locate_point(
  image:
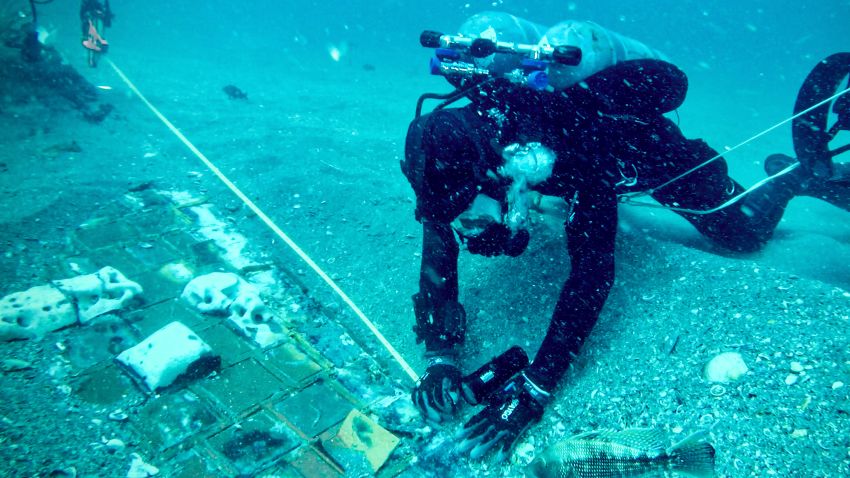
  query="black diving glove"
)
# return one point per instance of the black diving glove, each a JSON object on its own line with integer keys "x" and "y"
{"x": 517, "y": 406}
{"x": 437, "y": 393}
{"x": 497, "y": 239}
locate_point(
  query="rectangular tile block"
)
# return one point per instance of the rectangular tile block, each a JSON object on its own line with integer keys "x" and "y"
{"x": 314, "y": 409}
{"x": 360, "y": 445}
{"x": 157, "y": 288}
{"x": 171, "y": 419}
{"x": 107, "y": 385}
{"x": 103, "y": 232}
{"x": 115, "y": 256}
{"x": 225, "y": 342}
{"x": 255, "y": 443}
{"x": 153, "y": 318}
{"x": 99, "y": 341}
{"x": 156, "y": 220}
{"x": 181, "y": 240}
{"x": 292, "y": 362}
{"x": 193, "y": 464}
{"x": 153, "y": 254}
{"x": 244, "y": 385}
{"x": 311, "y": 463}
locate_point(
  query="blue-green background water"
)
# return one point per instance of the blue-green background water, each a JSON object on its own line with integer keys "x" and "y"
{"x": 769, "y": 38}
{"x": 744, "y": 58}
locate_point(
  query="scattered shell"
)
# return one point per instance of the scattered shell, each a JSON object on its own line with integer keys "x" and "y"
{"x": 140, "y": 469}
{"x": 118, "y": 415}
{"x": 791, "y": 379}
{"x": 836, "y": 385}
{"x": 800, "y": 433}
{"x": 717, "y": 390}
{"x": 14, "y": 365}
{"x": 177, "y": 272}
{"x": 115, "y": 444}
{"x": 796, "y": 367}
{"x": 725, "y": 367}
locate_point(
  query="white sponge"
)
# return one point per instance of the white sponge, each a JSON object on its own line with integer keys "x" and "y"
{"x": 168, "y": 353}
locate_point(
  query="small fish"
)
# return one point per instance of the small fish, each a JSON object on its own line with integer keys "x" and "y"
{"x": 234, "y": 93}
{"x": 628, "y": 453}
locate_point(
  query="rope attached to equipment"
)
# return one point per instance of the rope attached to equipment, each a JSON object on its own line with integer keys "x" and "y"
{"x": 271, "y": 225}
{"x": 629, "y": 198}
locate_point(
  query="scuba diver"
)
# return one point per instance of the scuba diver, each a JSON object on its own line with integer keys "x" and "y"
{"x": 590, "y": 131}
{"x": 31, "y": 47}
{"x": 95, "y": 17}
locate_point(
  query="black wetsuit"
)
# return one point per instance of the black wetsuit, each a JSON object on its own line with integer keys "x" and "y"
{"x": 91, "y": 10}
{"x": 601, "y": 133}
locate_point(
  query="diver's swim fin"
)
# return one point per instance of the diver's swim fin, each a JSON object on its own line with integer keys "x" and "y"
{"x": 835, "y": 190}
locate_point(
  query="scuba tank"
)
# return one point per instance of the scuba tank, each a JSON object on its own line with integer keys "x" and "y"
{"x": 501, "y": 27}
{"x": 491, "y": 45}
{"x": 600, "y": 49}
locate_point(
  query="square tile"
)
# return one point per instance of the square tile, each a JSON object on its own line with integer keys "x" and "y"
{"x": 226, "y": 343}
{"x": 197, "y": 462}
{"x": 156, "y": 287}
{"x": 314, "y": 409}
{"x": 291, "y": 361}
{"x": 99, "y": 341}
{"x": 156, "y": 220}
{"x": 153, "y": 254}
{"x": 150, "y": 319}
{"x": 360, "y": 445}
{"x": 243, "y": 385}
{"x": 101, "y": 232}
{"x": 255, "y": 443}
{"x": 205, "y": 255}
{"x": 331, "y": 340}
{"x": 181, "y": 240}
{"x": 115, "y": 256}
{"x": 107, "y": 385}
{"x": 171, "y": 419}
{"x": 311, "y": 463}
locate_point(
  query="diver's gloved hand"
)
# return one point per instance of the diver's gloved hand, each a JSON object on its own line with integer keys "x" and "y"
{"x": 497, "y": 239}
{"x": 437, "y": 393}
{"x": 517, "y": 406}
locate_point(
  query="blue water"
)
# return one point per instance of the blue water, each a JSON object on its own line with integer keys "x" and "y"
{"x": 769, "y": 37}
{"x": 747, "y": 52}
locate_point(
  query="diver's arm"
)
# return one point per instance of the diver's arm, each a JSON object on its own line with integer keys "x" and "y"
{"x": 591, "y": 235}
{"x": 440, "y": 319}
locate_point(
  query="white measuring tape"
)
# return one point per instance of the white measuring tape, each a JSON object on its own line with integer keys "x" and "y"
{"x": 271, "y": 225}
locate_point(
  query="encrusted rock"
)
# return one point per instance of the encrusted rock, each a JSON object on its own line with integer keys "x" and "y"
{"x": 96, "y": 294}
{"x": 228, "y": 294}
{"x": 141, "y": 469}
{"x": 35, "y": 312}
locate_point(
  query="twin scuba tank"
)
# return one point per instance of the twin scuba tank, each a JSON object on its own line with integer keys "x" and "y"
{"x": 497, "y": 44}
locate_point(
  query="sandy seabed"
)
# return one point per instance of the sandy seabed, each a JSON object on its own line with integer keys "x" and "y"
{"x": 321, "y": 158}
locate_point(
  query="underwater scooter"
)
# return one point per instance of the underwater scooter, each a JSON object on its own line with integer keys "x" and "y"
{"x": 811, "y": 131}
